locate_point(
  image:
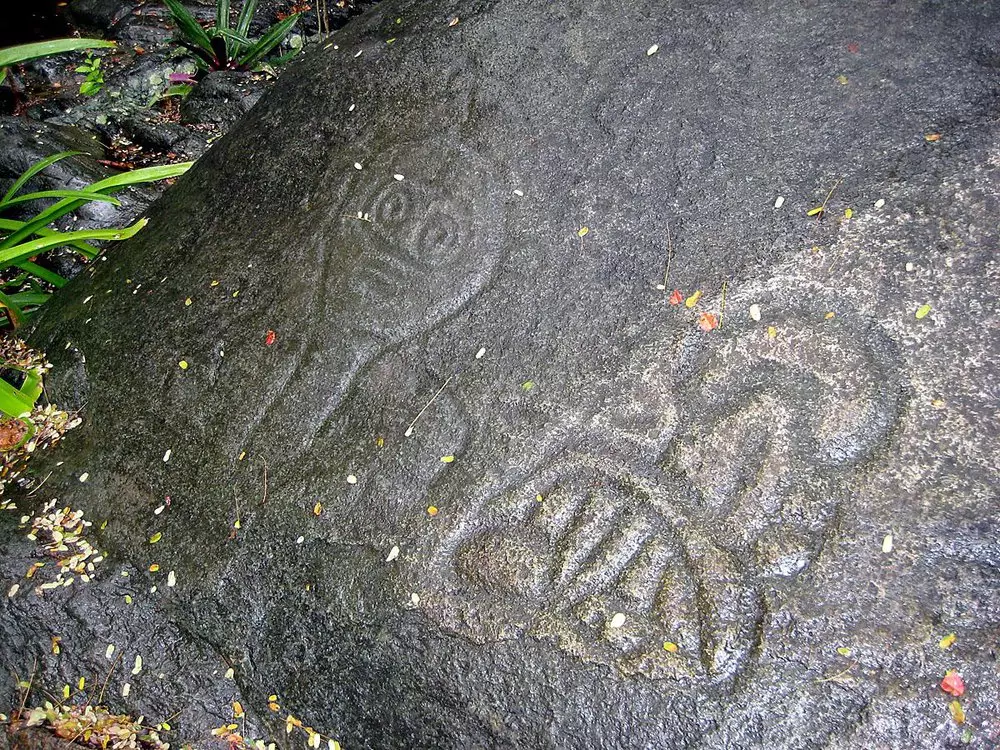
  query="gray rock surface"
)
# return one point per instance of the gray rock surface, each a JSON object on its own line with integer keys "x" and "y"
{"x": 804, "y": 504}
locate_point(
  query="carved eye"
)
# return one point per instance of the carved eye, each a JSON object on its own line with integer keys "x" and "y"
{"x": 393, "y": 205}
{"x": 438, "y": 239}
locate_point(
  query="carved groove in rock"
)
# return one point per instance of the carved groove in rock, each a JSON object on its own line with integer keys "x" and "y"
{"x": 752, "y": 456}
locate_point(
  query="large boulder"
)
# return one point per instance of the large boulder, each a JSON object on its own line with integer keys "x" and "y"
{"x": 389, "y": 413}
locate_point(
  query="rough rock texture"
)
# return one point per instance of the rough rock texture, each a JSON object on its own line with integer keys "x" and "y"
{"x": 803, "y": 504}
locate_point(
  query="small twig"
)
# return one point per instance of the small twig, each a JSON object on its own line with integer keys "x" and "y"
{"x": 264, "y": 498}
{"x": 409, "y": 428}
{"x": 27, "y": 690}
{"x": 670, "y": 255}
{"x": 822, "y": 206}
{"x": 236, "y": 499}
{"x": 39, "y": 486}
{"x": 100, "y": 698}
{"x": 839, "y": 674}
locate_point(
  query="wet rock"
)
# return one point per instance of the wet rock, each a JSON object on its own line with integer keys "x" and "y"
{"x": 432, "y": 457}
{"x": 100, "y": 15}
{"x": 221, "y": 97}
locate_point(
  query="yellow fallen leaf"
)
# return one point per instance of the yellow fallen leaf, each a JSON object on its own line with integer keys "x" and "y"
{"x": 772, "y": 332}
{"x": 693, "y": 299}
{"x": 156, "y": 537}
{"x": 814, "y": 211}
{"x": 66, "y": 691}
{"x": 187, "y": 302}
{"x": 447, "y": 459}
{"x": 922, "y": 312}
{"x": 237, "y": 709}
{"x": 214, "y": 283}
{"x": 957, "y": 712}
{"x": 830, "y": 315}
{"x": 183, "y": 364}
{"x": 670, "y": 646}
{"x": 844, "y": 651}
{"x": 947, "y": 641}
{"x": 379, "y": 442}
{"x": 931, "y": 137}
{"x": 937, "y": 403}
{"x": 154, "y": 567}
{"x": 842, "y": 79}
{"x": 432, "y": 510}
{"x": 848, "y": 213}
{"x": 583, "y": 231}
{"x": 317, "y": 508}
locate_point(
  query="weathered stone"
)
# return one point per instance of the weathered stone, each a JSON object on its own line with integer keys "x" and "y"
{"x": 407, "y": 219}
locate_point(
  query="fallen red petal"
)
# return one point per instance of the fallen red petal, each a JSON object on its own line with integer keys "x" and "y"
{"x": 853, "y": 48}
{"x": 269, "y": 339}
{"x": 953, "y": 684}
{"x": 707, "y": 321}
{"x": 676, "y": 298}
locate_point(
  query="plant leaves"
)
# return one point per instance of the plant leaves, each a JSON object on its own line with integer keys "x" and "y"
{"x": 271, "y": 39}
{"x": 23, "y": 52}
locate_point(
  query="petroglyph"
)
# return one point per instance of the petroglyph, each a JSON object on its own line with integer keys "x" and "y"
{"x": 723, "y": 468}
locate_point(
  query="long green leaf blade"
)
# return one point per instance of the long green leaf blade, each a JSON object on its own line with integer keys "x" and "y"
{"x": 115, "y": 182}
{"x": 222, "y": 14}
{"x": 29, "y": 299}
{"x": 12, "y": 225}
{"x": 233, "y": 36}
{"x": 43, "y": 273}
{"x": 137, "y": 176}
{"x": 24, "y": 52}
{"x": 189, "y": 26}
{"x": 14, "y": 255}
{"x": 34, "y": 169}
{"x": 245, "y": 17}
{"x": 268, "y": 42}
{"x": 81, "y": 194}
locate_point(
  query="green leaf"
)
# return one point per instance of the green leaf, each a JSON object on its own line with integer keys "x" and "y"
{"x": 24, "y": 52}
{"x": 83, "y": 195}
{"x": 189, "y": 26}
{"x": 922, "y": 312}
{"x": 245, "y": 17}
{"x": 87, "y": 250}
{"x": 14, "y": 255}
{"x": 12, "y": 401}
{"x": 263, "y": 46}
{"x": 113, "y": 183}
{"x": 222, "y": 14}
{"x": 31, "y": 388}
{"x": 45, "y": 274}
{"x": 239, "y": 41}
{"x": 34, "y": 169}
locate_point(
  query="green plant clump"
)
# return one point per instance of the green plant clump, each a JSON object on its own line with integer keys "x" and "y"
{"x": 223, "y": 47}
{"x": 22, "y": 241}
{"x": 94, "y": 81}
